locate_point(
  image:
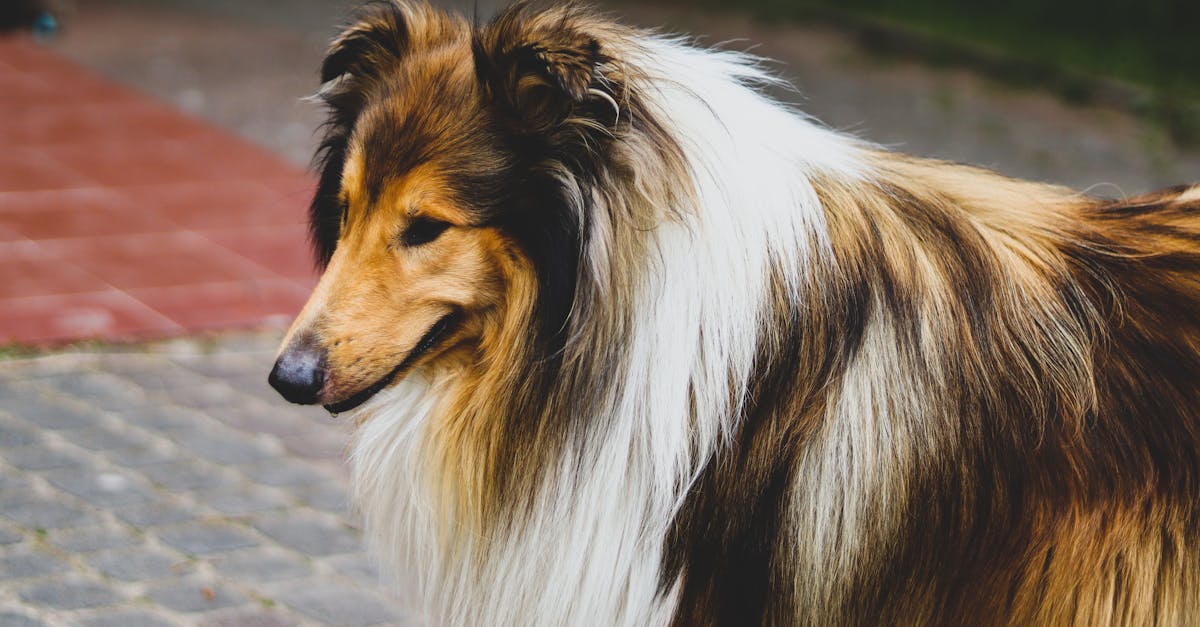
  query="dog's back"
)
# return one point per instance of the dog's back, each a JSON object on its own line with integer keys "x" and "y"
{"x": 1003, "y": 428}
{"x": 1070, "y": 494}
{"x": 1101, "y": 524}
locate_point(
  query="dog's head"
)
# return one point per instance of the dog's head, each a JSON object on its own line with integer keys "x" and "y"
{"x": 439, "y": 219}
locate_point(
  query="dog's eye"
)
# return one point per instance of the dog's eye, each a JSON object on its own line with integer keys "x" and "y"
{"x": 422, "y": 231}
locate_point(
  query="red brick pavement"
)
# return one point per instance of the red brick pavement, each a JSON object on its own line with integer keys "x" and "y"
{"x": 122, "y": 218}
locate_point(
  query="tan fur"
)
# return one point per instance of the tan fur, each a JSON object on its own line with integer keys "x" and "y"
{"x": 376, "y": 299}
{"x": 977, "y": 401}
{"x": 1106, "y": 540}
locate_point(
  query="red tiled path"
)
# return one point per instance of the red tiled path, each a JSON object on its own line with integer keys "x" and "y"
{"x": 121, "y": 218}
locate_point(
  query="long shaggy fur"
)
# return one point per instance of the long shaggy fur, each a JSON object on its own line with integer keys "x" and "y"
{"x": 736, "y": 368}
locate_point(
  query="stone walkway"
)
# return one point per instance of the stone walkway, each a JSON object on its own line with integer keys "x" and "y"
{"x": 170, "y": 486}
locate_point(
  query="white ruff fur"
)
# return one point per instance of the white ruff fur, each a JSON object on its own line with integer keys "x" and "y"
{"x": 593, "y": 550}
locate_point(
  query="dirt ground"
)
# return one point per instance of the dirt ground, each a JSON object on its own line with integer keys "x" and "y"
{"x": 247, "y": 66}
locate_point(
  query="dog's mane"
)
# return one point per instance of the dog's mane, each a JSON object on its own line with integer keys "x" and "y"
{"x": 771, "y": 366}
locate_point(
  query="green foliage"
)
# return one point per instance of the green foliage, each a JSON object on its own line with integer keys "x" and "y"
{"x": 1151, "y": 44}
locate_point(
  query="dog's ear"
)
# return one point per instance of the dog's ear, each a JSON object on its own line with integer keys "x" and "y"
{"x": 364, "y": 54}
{"x": 359, "y": 56}
{"x": 376, "y": 41}
{"x": 541, "y": 66}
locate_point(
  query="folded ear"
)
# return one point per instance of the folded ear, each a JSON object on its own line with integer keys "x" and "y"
{"x": 357, "y": 58}
{"x": 541, "y": 66}
{"x": 374, "y": 42}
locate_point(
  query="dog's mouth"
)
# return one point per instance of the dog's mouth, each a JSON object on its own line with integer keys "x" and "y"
{"x": 441, "y": 329}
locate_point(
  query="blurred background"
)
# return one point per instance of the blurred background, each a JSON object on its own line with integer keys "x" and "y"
{"x": 153, "y": 96}
{"x": 153, "y": 188}
{"x": 1021, "y": 85}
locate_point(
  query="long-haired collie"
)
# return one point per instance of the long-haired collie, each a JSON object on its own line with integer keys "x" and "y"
{"x": 627, "y": 342}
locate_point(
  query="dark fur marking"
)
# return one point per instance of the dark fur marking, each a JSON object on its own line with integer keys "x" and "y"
{"x": 356, "y": 59}
{"x": 725, "y": 541}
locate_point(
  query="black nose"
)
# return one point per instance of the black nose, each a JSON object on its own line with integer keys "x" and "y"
{"x": 299, "y": 373}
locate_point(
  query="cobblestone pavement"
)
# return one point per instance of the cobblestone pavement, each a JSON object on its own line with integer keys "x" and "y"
{"x": 169, "y": 486}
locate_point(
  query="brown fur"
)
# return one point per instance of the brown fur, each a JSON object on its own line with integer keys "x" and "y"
{"x": 1057, "y": 339}
{"x": 1039, "y": 349}
{"x": 1065, "y": 488}
{"x": 431, "y": 119}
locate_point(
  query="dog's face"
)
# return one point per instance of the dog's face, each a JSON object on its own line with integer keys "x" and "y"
{"x": 415, "y": 272}
{"x": 423, "y": 216}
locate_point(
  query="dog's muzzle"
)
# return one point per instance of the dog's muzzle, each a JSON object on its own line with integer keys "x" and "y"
{"x": 299, "y": 373}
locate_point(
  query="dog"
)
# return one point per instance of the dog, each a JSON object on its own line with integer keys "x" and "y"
{"x": 628, "y": 342}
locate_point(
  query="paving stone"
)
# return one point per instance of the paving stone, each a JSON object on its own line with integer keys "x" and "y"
{"x": 91, "y": 539}
{"x": 194, "y": 595}
{"x": 316, "y": 445}
{"x": 141, "y": 563}
{"x": 243, "y": 499}
{"x": 138, "y": 456}
{"x": 153, "y": 376}
{"x": 226, "y": 447}
{"x": 262, "y": 565}
{"x": 55, "y": 415}
{"x": 97, "y": 389}
{"x": 9, "y": 536}
{"x": 154, "y": 513}
{"x": 356, "y": 566}
{"x": 283, "y": 472}
{"x": 126, "y": 618}
{"x": 104, "y": 489}
{"x": 230, "y": 368}
{"x": 181, "y": 545}
{"x": 42, "y": 514}
{"x": 159, "y": 418}
{"x": 14, "y": 490}
{"x": 183, "y": 475}
{"x": 206, "y": 394}
{"x": 14, "y": 433}
{"x": 30, "y": 563}
{"x": 203, "y": 539}
{"x": 262, "y": 421}
{"x": 39, "y": 457}
{"x": 308, "y": 534}
{"x": 69, "y": 595}
{"x": 274, "y": 416}
{"x": 252, "y": 618}
{"x": 13, "y": 483}
{"x": 13, "y": 619}
{"x": 337, "y": 604}
{"x": 102, "y": 439}
{"x": 16, "y": 395}
{"x": 331, "y": 496}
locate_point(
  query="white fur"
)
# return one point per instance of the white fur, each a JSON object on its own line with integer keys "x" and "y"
{"x": 592, "y": 552}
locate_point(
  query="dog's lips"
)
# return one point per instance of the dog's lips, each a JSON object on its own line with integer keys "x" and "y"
{"x": 440, "y": 329}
